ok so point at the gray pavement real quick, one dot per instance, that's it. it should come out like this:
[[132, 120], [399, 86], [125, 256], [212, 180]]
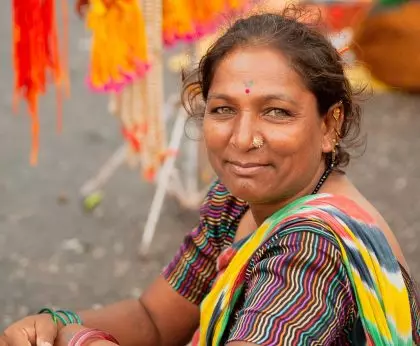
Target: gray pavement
[[53, 253]]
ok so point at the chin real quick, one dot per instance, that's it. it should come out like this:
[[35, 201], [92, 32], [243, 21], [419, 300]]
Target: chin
[[249, 190]]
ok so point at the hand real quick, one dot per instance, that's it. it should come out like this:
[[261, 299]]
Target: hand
[[3, 341], [39, 330]]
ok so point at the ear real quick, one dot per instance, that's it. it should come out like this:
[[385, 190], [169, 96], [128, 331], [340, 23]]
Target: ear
[[332, 125]]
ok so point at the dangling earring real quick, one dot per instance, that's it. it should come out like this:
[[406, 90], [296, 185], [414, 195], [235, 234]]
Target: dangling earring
[[336, 116], [336, 113], [333, 153]]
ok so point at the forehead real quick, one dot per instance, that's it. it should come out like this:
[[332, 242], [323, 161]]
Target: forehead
[[267, 68]]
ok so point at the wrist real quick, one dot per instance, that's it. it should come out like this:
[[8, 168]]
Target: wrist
[[76, 335], [62, 318], [66, 333], [99, 342]]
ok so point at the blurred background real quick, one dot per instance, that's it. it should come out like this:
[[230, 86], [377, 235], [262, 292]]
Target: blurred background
[[63, 247]]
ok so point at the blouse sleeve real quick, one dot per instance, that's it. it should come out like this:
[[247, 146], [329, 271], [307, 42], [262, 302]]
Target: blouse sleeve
[[298, 293], [193, 269]]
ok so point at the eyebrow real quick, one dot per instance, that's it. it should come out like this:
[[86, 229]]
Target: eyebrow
[[218, 96], [266, 98], [280, 97]]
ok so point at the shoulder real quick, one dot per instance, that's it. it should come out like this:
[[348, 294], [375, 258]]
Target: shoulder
[[298, 231], [193, 269], [302, 249], [343, 206], [301, 252], [219, 197], [291, 281], [304, 240], [220, 208]]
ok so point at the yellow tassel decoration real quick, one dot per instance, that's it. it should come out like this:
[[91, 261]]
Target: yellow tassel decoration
[[119, 47], [190, 20]]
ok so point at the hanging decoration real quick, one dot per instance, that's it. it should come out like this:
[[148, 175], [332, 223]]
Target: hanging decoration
[[36, 57], [119, 62], [119, 44], [190, 20]]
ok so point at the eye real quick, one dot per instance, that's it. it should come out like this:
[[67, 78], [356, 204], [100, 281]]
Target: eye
[[222, 110], [277, 113]]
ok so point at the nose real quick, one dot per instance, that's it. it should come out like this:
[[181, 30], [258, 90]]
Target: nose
[[243, 131]]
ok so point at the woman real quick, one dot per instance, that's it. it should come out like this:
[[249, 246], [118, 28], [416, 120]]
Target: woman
[[287, 251]]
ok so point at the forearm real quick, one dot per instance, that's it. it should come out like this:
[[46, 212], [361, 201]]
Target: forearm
[[128, 321]]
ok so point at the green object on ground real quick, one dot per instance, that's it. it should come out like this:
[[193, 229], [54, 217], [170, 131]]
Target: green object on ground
[[92, 201]]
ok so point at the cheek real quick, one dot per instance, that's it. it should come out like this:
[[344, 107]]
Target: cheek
[[287, 141], [299, 143], [214, 140], [216, 134], [310, 149]]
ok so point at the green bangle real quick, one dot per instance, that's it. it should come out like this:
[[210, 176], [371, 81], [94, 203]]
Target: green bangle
[[53, 315], [63, 315], [71, 316], [77, 317]]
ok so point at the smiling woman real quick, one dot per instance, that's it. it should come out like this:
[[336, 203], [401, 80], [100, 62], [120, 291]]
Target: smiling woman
[[297, 82], [280, 112], [287, 251], [279, 120]]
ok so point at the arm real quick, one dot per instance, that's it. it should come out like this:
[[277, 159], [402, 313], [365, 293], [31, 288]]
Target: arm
[[153, 319], [298, 294], [168, 313]]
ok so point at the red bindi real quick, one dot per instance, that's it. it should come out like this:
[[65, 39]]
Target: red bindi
[[248, 86]]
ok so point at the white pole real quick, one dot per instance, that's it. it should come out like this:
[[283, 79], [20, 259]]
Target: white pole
[[105, 172], [163, 180]]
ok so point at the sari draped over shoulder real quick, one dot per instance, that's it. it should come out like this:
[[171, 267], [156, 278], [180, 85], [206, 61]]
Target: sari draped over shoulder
[[374, 273]]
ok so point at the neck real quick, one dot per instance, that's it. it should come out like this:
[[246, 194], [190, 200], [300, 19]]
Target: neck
[[261, 211]]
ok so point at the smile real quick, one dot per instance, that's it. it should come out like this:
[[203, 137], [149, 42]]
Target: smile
[[245, 169]]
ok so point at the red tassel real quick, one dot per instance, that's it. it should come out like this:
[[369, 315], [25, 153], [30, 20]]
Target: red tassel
[[36, 57]]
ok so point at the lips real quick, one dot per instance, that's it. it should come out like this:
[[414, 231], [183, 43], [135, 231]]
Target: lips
[[246, 168]]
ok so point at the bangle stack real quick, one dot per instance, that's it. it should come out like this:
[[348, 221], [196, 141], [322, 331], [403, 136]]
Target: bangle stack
[[84, 335], [66, 317]]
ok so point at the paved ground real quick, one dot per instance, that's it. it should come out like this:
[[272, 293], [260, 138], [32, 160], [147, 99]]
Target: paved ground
[[52, 253]]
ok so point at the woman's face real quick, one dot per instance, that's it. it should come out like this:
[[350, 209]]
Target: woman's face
[[256, 93]]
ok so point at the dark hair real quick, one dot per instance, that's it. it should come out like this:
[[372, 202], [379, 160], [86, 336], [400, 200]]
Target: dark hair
[[298, 35]]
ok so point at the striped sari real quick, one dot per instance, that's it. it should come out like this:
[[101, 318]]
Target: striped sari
[[378, 284]]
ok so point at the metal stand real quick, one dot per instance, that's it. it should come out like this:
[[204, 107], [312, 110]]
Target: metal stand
[[105, 173], [164, 178], [169, 179], [189, 194]]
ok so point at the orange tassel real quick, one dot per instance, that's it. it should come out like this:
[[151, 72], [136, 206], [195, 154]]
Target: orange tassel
[[36, 58], [190, 20], [119, 48]]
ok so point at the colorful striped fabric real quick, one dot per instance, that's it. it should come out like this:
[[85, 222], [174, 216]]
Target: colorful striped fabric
[[378, 284], [192, 271], [289, 264], [297, 293]]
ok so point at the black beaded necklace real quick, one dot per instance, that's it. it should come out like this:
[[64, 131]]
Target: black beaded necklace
[[323, 178]]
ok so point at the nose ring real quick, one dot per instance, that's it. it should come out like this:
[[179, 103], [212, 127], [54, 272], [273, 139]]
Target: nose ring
[[257, 142]]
